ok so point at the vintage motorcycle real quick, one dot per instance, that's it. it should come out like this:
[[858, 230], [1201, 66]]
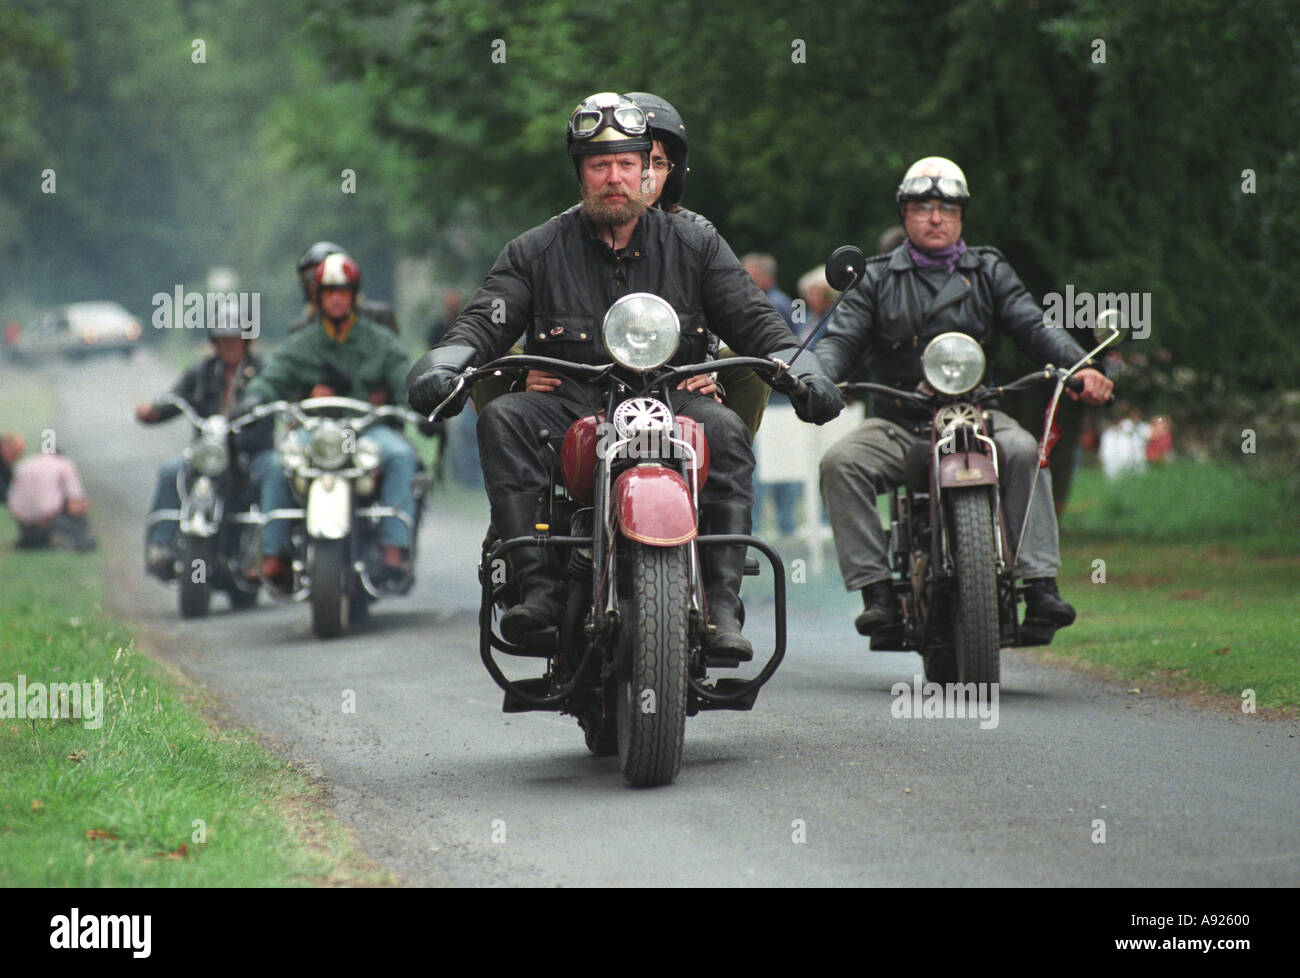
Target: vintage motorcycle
[[949, 548], [629, 659], [216, 543], [334, 471]]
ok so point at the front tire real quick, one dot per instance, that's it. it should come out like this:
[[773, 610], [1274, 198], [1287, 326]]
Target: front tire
[[327, 567], [197, 565], [975, 624], [652, 684]]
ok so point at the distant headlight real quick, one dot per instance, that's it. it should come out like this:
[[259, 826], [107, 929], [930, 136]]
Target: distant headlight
[[953, 363], [368, 455], [641, 331], [209, 457], [328, 446]]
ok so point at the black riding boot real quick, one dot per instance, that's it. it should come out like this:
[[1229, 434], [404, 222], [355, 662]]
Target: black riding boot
[[537, 574], [723, 569]]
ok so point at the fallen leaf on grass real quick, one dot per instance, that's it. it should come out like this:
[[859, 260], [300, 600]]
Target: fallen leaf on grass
[[180, 852], [37, 804], [1223, 651], [77, 755], [99, 834]]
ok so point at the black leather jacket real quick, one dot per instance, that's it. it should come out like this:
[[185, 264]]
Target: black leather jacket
[[555, 282], [203, 386], [882, 326]]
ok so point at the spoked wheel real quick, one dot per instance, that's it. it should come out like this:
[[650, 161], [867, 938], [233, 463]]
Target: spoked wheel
[[975, 623], [327, 566], [652, 680], [196, 567]]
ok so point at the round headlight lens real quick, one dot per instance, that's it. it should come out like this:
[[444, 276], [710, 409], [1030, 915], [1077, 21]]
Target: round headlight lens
[[209, 456], [327, 446], [641, 331], [953, 363]]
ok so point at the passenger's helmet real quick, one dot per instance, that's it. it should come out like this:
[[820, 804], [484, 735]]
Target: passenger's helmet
[[666, 125], [312, 257], [338, 271], [933, 176], [606, 123]]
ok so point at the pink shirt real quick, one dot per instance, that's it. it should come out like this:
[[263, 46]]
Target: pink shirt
[[42, 485]]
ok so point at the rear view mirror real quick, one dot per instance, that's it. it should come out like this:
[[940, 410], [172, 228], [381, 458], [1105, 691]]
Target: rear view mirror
[[844, 266], [1112, 328]]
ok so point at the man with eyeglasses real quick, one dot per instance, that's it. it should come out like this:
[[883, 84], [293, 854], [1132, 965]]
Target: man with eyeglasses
[[933, 283], [554, 284]]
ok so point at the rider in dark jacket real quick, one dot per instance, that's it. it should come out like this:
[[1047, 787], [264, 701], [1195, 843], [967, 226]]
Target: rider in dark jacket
[[932, 284], [554, 284], [212, 386]]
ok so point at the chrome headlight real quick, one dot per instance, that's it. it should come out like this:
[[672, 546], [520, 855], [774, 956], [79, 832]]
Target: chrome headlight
[[367, 456], [953, 363], [641, 331], [209, 456], [328, 445]]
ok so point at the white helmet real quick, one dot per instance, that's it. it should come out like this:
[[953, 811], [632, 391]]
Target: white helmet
[[933, 176]]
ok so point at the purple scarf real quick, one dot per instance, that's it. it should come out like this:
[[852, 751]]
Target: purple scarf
[[947, 257]]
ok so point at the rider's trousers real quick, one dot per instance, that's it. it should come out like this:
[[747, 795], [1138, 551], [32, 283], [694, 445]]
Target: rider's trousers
[[869, 461]]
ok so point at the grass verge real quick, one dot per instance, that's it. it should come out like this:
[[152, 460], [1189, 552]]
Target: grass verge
[[147, 794]]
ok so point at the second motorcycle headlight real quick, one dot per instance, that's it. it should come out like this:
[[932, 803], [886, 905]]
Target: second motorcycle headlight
[[327, 446], [953, 363], [641, 331]]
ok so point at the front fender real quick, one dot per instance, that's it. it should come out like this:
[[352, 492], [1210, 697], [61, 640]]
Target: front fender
[[654, 506], [329, 508], [201, 509], [966, 469]]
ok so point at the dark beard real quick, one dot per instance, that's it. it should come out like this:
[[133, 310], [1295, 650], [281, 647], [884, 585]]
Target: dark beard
[[614, 215]]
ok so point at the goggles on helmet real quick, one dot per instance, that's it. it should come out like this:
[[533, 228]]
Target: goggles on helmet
[[601, 111], [924, 186]]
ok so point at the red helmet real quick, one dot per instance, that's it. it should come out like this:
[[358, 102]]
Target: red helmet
[[338, 271]]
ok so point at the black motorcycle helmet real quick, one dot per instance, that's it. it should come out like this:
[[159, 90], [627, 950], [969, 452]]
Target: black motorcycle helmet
[[666, 125], [312, 257], [605, 123]]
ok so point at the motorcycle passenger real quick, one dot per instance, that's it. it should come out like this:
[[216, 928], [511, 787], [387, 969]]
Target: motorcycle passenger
[[933, 283], [555, 283], [380, 312], [348, 355], [212, 386]]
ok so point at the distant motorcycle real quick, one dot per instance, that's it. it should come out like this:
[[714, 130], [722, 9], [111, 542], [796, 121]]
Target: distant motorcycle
[[334, 470], [949, 548], [216, 543]]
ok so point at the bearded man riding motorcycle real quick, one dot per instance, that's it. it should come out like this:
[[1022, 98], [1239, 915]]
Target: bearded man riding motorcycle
[[933, 283], [555, 283], [745, 393], [345, 354]]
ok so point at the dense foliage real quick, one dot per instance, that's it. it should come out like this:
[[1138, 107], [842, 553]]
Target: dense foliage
[[1107, 143]]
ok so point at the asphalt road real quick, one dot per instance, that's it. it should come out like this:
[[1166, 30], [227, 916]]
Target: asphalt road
[[819, 785]]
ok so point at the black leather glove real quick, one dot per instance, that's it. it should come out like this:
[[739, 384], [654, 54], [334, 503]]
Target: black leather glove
[[814, 398], [433, 378]]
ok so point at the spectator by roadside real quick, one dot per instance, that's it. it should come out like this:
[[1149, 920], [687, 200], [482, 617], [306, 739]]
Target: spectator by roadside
[[45, 497]]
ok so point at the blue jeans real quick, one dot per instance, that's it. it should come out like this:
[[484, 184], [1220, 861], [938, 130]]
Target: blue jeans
[[397, 464]]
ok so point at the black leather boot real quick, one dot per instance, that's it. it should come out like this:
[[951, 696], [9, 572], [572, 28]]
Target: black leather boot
[[881, 606], [537, 574], [1043, 602], [723, 568]]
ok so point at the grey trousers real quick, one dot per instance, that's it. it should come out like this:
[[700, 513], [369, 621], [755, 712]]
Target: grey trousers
[[869, 462]]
